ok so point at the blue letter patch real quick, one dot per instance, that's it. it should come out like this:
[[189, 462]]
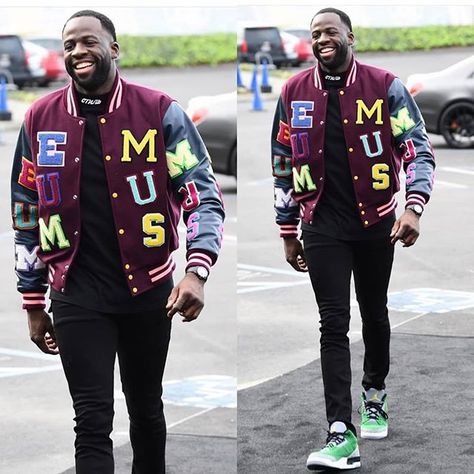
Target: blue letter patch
[[48, 154], [299, 108]]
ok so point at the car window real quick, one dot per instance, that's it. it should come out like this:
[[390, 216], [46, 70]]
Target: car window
[[10, 45], [260, 35]]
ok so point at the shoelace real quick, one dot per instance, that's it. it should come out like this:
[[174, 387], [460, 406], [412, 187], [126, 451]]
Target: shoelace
[[374, 410], [333, 439]]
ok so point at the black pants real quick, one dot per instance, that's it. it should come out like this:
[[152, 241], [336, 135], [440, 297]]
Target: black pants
[[88, 342], [331, 263]]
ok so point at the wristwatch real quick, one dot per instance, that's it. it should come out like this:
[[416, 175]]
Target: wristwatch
[[416, 208], [201, 272]]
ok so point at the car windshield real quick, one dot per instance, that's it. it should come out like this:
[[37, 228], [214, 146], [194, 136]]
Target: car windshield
[[260, 35], [9, 45], [466, 66]]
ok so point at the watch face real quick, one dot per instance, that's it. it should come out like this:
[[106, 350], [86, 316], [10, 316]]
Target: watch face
[[417, 209], [202, 272]]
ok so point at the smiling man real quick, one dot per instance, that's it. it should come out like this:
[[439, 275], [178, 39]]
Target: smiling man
[[102, 171], [341, 133]]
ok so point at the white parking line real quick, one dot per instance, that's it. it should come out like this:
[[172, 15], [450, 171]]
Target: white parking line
[[279, 271], [438, 182], [267, 286], [172, 425], [14, 371], [259, 285], [27, 354], [451, 169]]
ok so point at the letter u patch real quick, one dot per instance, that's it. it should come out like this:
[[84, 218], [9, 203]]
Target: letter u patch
[[132, 180], [49, 192]]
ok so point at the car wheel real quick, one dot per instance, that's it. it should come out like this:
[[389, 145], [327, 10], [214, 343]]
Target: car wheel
[[233, 162], [457, 125]]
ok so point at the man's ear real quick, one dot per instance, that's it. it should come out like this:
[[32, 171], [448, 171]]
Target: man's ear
[[350, 38], [115, 50]]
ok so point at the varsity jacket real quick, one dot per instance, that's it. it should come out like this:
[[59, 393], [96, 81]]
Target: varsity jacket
[[383, 131], [156, 165]]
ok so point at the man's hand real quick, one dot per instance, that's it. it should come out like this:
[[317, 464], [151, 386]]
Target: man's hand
[[42, 331], [294, 254], [406, 229], [187, 298]]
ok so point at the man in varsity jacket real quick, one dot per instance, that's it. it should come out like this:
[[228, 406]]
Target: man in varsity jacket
[[102, 171], [341, 133]]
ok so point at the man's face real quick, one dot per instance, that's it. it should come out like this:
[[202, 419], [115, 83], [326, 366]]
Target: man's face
[[331, 41], [89, 51]]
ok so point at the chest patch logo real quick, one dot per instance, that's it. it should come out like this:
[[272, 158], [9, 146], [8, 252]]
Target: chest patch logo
[[48, 154], [375, 109], [139, 147], [299, 111]]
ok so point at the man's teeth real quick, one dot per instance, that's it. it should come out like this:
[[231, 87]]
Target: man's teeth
[[327, 50], [83, 65]]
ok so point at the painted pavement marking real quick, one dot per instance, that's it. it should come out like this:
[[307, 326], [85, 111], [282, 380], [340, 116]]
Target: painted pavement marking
[[451, 169], [447, 184], [249, 278], [201, 391], [430, 300], [22, 370]]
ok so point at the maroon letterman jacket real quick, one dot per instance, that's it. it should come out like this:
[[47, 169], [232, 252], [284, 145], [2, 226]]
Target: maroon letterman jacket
[[156, 166], [383, 130]]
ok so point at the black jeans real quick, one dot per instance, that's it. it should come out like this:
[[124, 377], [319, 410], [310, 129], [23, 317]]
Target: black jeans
[[331, 263], [88, 342]]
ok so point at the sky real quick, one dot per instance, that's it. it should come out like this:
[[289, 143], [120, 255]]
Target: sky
[[35, 20]]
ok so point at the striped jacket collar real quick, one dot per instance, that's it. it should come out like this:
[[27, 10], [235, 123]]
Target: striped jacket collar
[[350, 78], [114, 101]]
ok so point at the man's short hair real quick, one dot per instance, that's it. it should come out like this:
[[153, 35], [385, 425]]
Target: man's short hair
[[105, 21], [343, 16]]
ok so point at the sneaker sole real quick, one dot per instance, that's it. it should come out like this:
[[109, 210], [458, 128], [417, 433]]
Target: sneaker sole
[[374, 434], [323, 463]]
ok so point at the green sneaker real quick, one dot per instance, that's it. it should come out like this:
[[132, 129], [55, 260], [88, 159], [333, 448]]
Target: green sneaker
[[374, 417], [341, 450]]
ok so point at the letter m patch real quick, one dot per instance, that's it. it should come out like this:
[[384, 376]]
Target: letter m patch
[[401, 122]]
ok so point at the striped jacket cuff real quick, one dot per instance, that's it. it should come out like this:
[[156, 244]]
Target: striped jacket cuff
[[34, 301], [288, 230], [197, 258], [415, 198]]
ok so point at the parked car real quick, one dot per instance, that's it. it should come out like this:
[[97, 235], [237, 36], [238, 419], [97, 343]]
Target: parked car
[[446, 101], [14, 60], [266, 39], [49, 61], [301, 48], [216, 120], [51, 44], [301, 33]]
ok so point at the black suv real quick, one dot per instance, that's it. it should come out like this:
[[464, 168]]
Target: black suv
[[13, 58], [266, 39]]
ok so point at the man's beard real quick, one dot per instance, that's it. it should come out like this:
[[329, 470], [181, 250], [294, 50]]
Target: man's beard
[[338, 59], [97, 79]]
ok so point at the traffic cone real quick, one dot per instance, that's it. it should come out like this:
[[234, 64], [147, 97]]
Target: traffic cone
[[265, 85], [240, 83], [5, 114], [257, 104], [253, 83]]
